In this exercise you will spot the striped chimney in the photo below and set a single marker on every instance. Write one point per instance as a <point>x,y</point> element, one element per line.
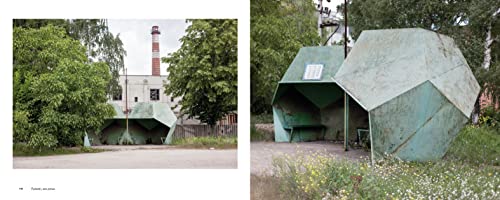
<point>155,32</point>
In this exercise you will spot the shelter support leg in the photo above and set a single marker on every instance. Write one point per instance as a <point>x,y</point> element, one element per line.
<point>346,121</point>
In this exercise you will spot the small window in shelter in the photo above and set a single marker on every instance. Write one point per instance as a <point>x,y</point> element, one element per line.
<point>171,99</point>
<point>118,96</point>
<point>313,72</point>
<point>136,99</point>
<point>154,94</point>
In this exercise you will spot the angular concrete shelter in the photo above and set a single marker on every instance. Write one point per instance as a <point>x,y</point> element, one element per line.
<point>410,89</point>
<point>148,123</point>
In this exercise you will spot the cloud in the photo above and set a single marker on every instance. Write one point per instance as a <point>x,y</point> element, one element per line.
<point>136,37</point>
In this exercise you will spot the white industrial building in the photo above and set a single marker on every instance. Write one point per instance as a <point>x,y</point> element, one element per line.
<point>151,88</point>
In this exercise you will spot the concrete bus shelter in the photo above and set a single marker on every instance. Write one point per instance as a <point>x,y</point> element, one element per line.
<point>148,123</point>
<point>411,92</point>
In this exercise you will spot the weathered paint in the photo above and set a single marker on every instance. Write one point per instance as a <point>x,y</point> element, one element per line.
<point>280,134</point>
<point>149,123</point>
<point>384,64</point>
<point>412,89</point>
<point>330,56</point>
<point>421,117</point>
<point>86,141</point>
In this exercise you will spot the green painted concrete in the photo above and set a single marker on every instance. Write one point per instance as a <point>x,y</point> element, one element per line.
<point>148,123</point>
<point>411,88</point>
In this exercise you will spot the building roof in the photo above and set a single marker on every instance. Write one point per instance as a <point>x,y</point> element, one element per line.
<point>387,63</point>
<point>161,112</point>
<point>330,56</point>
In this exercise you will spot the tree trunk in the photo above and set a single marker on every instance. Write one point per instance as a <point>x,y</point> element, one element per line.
<point>486,64</point>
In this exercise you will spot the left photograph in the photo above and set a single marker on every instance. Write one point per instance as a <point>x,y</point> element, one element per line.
<point>125,93</point>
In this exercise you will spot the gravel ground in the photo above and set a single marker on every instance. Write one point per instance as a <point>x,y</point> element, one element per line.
<point>262,153</point>
<point>135,157</point>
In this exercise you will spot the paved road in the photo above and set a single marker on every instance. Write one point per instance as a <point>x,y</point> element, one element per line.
<point>136,157</point>
<point>262,153</point>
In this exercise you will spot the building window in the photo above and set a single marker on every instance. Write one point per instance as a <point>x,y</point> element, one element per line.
<point>136,99</point>
<point>154,94</point>
<point>117,97</point>
<point>171,99</point>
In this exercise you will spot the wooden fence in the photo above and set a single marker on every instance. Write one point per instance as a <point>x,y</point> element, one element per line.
<point>200,130</point>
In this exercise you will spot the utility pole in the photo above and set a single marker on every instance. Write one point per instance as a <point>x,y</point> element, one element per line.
<point>346,97</point>
<point>126,100</point>
<point>320,21</point>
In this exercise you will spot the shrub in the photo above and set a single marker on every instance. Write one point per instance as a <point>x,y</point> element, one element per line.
<point>41,141</point>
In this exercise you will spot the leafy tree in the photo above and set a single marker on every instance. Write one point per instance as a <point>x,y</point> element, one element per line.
<point>204,70</point>
<point>469,22</point>
<point>58,94</point>
<point>101,45</point>
<point>278,30</point>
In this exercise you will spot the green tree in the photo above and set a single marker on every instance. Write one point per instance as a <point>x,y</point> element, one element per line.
<point>101,45</point>
<point>469,22</point>
<point>204,70</point>
<point>58,94</point>
<point>278,30</point>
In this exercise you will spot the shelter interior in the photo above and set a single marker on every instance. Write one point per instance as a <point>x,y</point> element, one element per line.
<point>141,131</point>
<point>315,111</point>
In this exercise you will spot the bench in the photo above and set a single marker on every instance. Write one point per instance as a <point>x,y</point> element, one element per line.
<point>299,126</point>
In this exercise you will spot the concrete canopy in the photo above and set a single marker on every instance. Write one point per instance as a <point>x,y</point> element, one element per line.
<point>149,122</point>
<point>415,86</point>
<point>387,63</point>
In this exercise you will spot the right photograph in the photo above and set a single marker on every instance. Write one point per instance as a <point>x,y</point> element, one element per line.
<point>374,99</point>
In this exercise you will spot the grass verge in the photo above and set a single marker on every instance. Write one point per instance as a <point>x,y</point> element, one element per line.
<point>258,135</point>
<point>23,150</point>
<point>207,142</point>
<point>476,145</point>
<point>470,171</point>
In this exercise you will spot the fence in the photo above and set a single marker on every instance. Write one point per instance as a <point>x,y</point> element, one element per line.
<point>200,130</point>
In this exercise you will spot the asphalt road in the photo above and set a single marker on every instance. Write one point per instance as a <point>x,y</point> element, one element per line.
<point>141,157</point>
<point>262,153</point>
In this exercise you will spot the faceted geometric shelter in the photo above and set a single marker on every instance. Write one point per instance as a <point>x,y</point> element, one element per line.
<point>148,123</point>
<point>410,88</point>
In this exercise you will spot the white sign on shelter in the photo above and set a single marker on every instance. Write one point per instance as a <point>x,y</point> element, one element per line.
<point>313,72</point>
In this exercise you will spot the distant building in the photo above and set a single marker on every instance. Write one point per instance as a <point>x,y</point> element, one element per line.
<point>150,88</point>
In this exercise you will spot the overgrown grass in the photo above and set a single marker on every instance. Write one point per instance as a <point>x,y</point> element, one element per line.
<point>261,119</point>
<point>264,187</point>
<point>258,135</point>
<point>470,171</point>
<point>322,177</point>
<point>476,145</point>
<point>207,142</point>
<point>20,149</point>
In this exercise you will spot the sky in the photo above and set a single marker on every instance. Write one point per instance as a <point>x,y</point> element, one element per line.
<point>136,37</point>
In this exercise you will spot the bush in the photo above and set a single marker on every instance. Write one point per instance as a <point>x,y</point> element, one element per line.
<point>262,119</point>
<point>42,141</point>
<point>490,117</point>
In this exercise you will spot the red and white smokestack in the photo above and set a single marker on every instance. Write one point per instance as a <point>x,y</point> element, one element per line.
<point>155,32</point>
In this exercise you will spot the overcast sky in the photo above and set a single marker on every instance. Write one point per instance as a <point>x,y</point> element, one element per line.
<point>136,38</point>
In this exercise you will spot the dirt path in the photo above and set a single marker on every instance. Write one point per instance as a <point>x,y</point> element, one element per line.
<point>262,153</point>
<point>136,157</point>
